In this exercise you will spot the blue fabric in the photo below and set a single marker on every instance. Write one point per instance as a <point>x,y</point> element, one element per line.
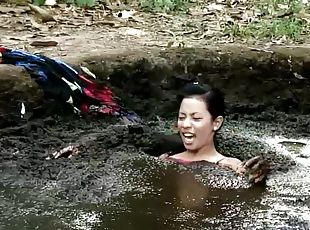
<point>48,73</point>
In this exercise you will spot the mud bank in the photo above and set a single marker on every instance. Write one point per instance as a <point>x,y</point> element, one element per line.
<point>260,85</point>
<point>255,81</point>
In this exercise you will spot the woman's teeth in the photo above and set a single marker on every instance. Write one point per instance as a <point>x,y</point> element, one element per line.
<point>188,136</point>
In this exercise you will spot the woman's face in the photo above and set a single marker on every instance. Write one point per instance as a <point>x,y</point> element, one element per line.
<point>195,124</point>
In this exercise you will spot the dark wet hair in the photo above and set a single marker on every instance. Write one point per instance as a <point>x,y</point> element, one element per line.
<point>213,97</point>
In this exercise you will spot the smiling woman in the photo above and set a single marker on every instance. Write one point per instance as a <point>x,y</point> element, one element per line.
<point>201,115</point>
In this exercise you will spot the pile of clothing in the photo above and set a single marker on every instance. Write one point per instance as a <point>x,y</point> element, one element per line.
<point>68,84</point>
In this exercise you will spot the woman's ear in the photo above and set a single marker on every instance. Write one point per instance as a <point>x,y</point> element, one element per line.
<point>217,123</point>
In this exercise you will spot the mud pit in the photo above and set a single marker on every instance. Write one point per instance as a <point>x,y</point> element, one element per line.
<point>114,184</point>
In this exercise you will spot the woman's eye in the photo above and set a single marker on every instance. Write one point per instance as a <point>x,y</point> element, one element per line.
<point>197,118</point>
<point>181,118</point>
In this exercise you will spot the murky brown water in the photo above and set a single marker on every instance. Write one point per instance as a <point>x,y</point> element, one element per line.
<point>125,189</point>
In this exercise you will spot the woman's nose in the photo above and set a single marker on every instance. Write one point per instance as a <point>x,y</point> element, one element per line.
<point>187,123</point>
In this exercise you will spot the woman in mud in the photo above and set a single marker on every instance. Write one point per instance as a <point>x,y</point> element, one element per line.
<point>201,116</point>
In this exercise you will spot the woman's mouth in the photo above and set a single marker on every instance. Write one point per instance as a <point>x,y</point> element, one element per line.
<point>188,137</point>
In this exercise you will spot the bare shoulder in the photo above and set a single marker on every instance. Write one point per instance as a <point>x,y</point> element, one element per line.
<point>170,154</point>
<point>181,156</point>
<point>231,160</point>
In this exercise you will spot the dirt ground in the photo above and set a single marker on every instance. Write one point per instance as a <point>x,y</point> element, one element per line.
<point>79,32</point>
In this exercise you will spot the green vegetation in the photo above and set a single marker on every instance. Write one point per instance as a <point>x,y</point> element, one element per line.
<point>286,19</point>
<point>163,5</point>
<point>277,7</point>
<point>291,28</point>
<point>147,5</point>
<point>84,3</point>
<point>38,2</point>
<point>275,19</point>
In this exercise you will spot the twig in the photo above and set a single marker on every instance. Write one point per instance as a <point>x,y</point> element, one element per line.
<point>286,14</point>
<point>105,22</point>
<point>167,31</point>
<point>189,32</point>
<point>261,50</point>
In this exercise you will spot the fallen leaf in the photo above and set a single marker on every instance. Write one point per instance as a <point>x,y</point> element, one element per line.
<point>17,39</point>
<point>134,32</point>
<point>215,7</point>
<point>283,6</point>
<point>303,15</point>
<point>38,26</point>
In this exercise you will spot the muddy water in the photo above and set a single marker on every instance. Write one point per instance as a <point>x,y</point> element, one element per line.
<point>112,184</point>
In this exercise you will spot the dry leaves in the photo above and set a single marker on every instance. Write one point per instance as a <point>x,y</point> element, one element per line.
<point>13,10</point>
<point>205,23</point>
<point>46,22</point>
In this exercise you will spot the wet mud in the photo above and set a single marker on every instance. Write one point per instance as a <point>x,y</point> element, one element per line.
<point>117,168</point>
<point>25,149</point>
<point>118,163</point>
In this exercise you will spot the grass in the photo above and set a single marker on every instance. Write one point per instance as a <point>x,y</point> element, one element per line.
<point>147,5</point>
<point>163,5</point>
<point>277,18</point>
<point>274,7</point>
<point>280,19</point>
<point>290,28</point>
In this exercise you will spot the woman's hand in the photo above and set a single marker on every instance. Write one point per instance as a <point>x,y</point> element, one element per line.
<point>255,169</point>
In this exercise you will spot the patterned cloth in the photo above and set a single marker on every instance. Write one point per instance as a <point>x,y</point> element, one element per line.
<point>67,84</point>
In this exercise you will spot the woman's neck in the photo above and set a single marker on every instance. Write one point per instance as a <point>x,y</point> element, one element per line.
<point>207,153</point>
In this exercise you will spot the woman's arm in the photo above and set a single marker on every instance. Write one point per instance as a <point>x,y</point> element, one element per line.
<point>256,168</point>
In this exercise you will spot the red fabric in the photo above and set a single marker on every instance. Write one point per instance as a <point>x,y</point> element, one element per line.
<point>102,94</point>
<point>2,49</point>
<point>84,108</point>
